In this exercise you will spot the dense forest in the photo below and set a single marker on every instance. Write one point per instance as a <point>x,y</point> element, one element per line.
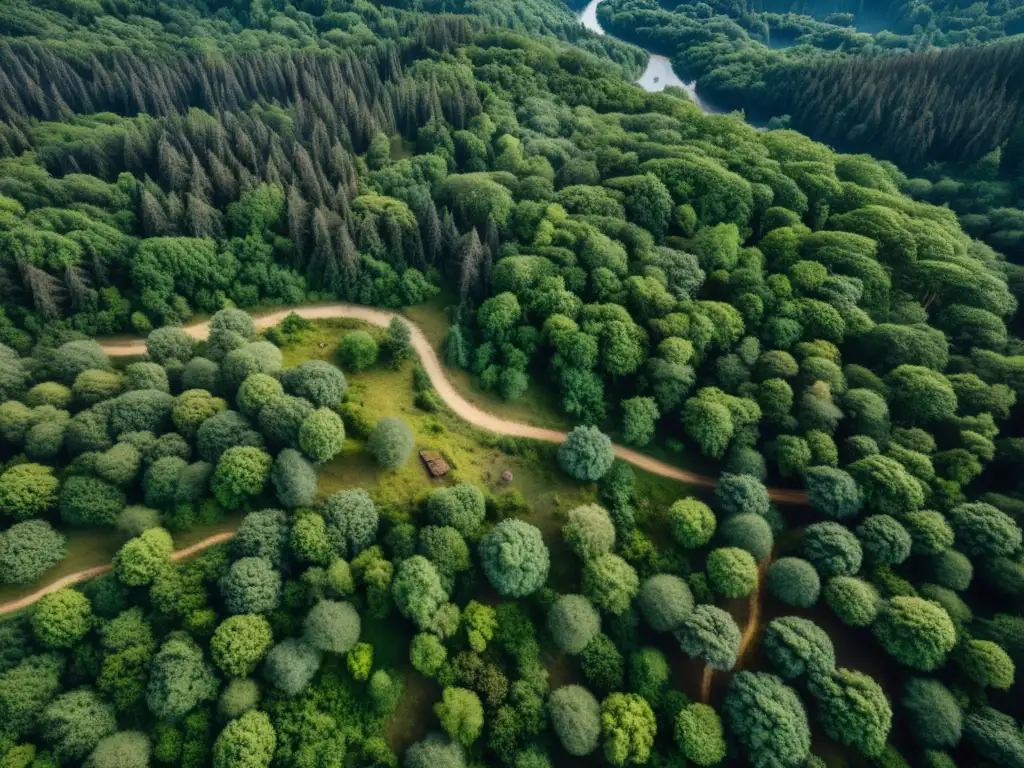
<point>749,302</point>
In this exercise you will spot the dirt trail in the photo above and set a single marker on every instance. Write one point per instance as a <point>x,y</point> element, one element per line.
<point>99,570</point>
<point>459,405</point>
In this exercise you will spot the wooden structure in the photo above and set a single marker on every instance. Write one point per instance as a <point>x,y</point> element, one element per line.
<point>436,465</point>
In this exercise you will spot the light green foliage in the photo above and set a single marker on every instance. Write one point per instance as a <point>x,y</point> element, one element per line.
<point>359,661</point>
<point>317,381</point>
<point>855,602</point>
<point>256,391</point>
<point>141,558</point>
<point>794,581</point>
<point>445,548</point>
<point>589,532</point>
<point>435,751</point>
<point>797,647</point>
<point>62,618</point>
<point>417,590</point>
<point>240,643</point>
<point>934,718</point>
<point>628,727</point>
<point>952,569</point>
<point>192,407</point>
<point>916,632</point>
<point>461,714</point>
<point>888,488</point>
<point>832,549</point>
<point>237,698</point>
<point>748,532</point>
<point>665,601</point>
<point>241,474</point>
<point>322,435</point>
<point>169,343</point>
<point>75,722</point>
<point>573,622</point>
<point>124,749</point>
<point>95,386</point>
<point>28,490</point>
<point>576,718</point>
<point>767,719</point>
<point>461,507</point>
<point>711,633</point>
<point>262,534</point>
<point>514,558</point>
<point>332,626</point>
<point>639,417</point>
<point>586,454</point>
<point>247,742</point>
<point>691,522</point>
<point>427,654</point>
<point>26,688</point>
<point>480,623</point>
<point>919,396</point>
<point>700,735</point>
<point>732,572</point>
<point>357,351</point>
<point>986,664</point>
<point>853,709</point>
<point>610,582</point>
<point>119,464</point>
<point>390,443</point>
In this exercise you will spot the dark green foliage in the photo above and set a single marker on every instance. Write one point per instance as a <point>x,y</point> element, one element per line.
<point>251,585</point>
<point>610,582</point>
<point>736,494</point>
<point>390,443</point>
<point>89,501</point>
<point>712,634</point>
<point>26,689</point>
<point>169,343</point>
<point>665,601</point>
<point>586,454</point>
<point>797,647</point>
<point>748,532</point>
<point>461,507</point>
<point>929,532</point>
<point>855,602</point>
<point>573,622</point>
<point>228,429</point>
<point>985,663</point>
<point>75,722</point>
<point>916,632</point>
<point>142,410</point>
<point>952,569</point>
<point>514,558</point>
<point>179,679</point>
<point>417,590</point>
<point>281,419</point>
<point>933,714</point>
<point>832,549</point>
<point>853,710</point>
<point>576,718</point>
<point>294,479</point>
<point>317,381</point>
<point>602,664</point>
<point>984,531</point>
<point>351,520</point>
<point>884,540</point>
<point>995,736</point>
<point>794,581</point>
<point>832,492</point>
<point>262,534</point>
<point>28,549</point>
<point>767,720</point>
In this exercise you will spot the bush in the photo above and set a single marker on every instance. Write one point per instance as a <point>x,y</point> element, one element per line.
<point>798,647</point>
<point>200,373</point>
<point>357,423</point>
<point>985,663</point>
<point>929,532</point>
<point>294,479</point>
<point>573,622</point>
<point>281,420</point>
<point>700,735</point>
<point>237,698</point>
<point>228,429</point>
<point>767,720</point>
<point>794,582</point>
<point>995,736</point>
<point>251,585</point>
<point>586,454</point>
<point>254,357</point>
<point>854,601</point>
<point>435,751</point>
<point>359,661</point>
<point>602,664</point>
<point>148,376</point>
<point>665,602</point>
<point>916,632</point>
<point>88,501</point>
<point>317,381</point>
<point>832,549</point>
<point>736,494</point>
<point>119,465</point>
<point>461,507</point>
<point>732,572</point>
<point>62,618</point>
<point>461,714</point>
<point>853,710</point>
<point>649,674</point>
<point>239,643</point>
<point>28,490</point>
<point>357,351</point>
<point>427,654</point>
<point>160,482</point>
<point>332,626</point>
<point>952,569</point>
<point>396,346</point>
<point>255,392</point>
<point>576,718</point>
<point>390,443</point>
<point>192,407</point>
<point>833,492</point>
<point>417,590</point>
<point>982,530</point>
<point>68,360</point>
<point>711,633</point>
<point>291,665</point>
<point>322,435</point>
<point>514,558</point>
<point>241,474</point>
<point>445,548</point>
<point>29,549</point>
<point>691,523</point>
<point>610,582</point>
<point>45,439</point>
<point>628,726</point>
<point>748,532</point>
<point>262,534</point>
<point>934,718</point>
<point>15,421</point>
<point>351,522</point>
<point>75,722</point>
<point>169,343</point>
<point>884,540</point>
<point>141,558</point>
<point>124,749</point>
<point>589,531</point>
<point>142,410</point>
<point>49,393</point>
<point>248,742</point>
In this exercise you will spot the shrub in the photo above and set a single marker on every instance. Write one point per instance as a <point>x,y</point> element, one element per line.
<point>396,346</point>
<point>390,443</point>
<point>711,633</point>
<point>351,522</point>
<point>586,454</point>
<point>995,736</point>
<point>241,474</point>
<point>691,522</point>
<point>332,626</point>
<point>119,465</point>
<point>28,549</point>
<point>309,542</point>
<point>228,429</point>
<point>15,421</point>
<point>576,718</point>
<point>317,381</point>
<point>797,647</point>
<point>628,727</point>
<point>665,602</point>
<point>359,661</point>
<point>934,718</point>
<point>982,530</point>
<point>602,664</point>
<point>916,632</point>
<point>255,392</point>
<point>929,532</point>
<point>417,590</point>
<point>28,490</point>
<point>610,582</point>
<point>62,618</point>
<point>294,479</point>
<point>767,720</point>
<point>854,601</point>
<point>833,492</point>
<point>124,749</point>
<point>142,410</point>
<point>262,534</point>
<point>732,572</point>
<point>794,582</point>
<point>952,569</point>
<point>281,420</point>
<point>95,386</point>
<point>461,714</point>
<point>427,654</point>
<point>291,665</point>
<point>736,494</point>
<point>461,507</point>
<point>700,735</point>
<point>832,549</point>
<point>589,531</point>
<point>649,674</point>
<point>169,343</point>
<point>49,393</point>
<point>251,585</point>
<point>573,622</point>
<point>148,376</point>
<point>141,558</point>
<point>160,482</point>
<point>239,643</point>
<point>435,751</point>
<point>254,357</point>
<point>357,423</point>
<point>200,373</point>
<point>514,558</point>
<point>322,435</point>
<point>357,351</point>
<point>89,501</point>
<point>853,710</point>
<point>884,540</point>
<point>445,548</point>
<point>192,407</point>
<point>45,439</point>
<point>75,722</point>
<point>247,742</point>
<point>985,663</point>
<point>748,532</point>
